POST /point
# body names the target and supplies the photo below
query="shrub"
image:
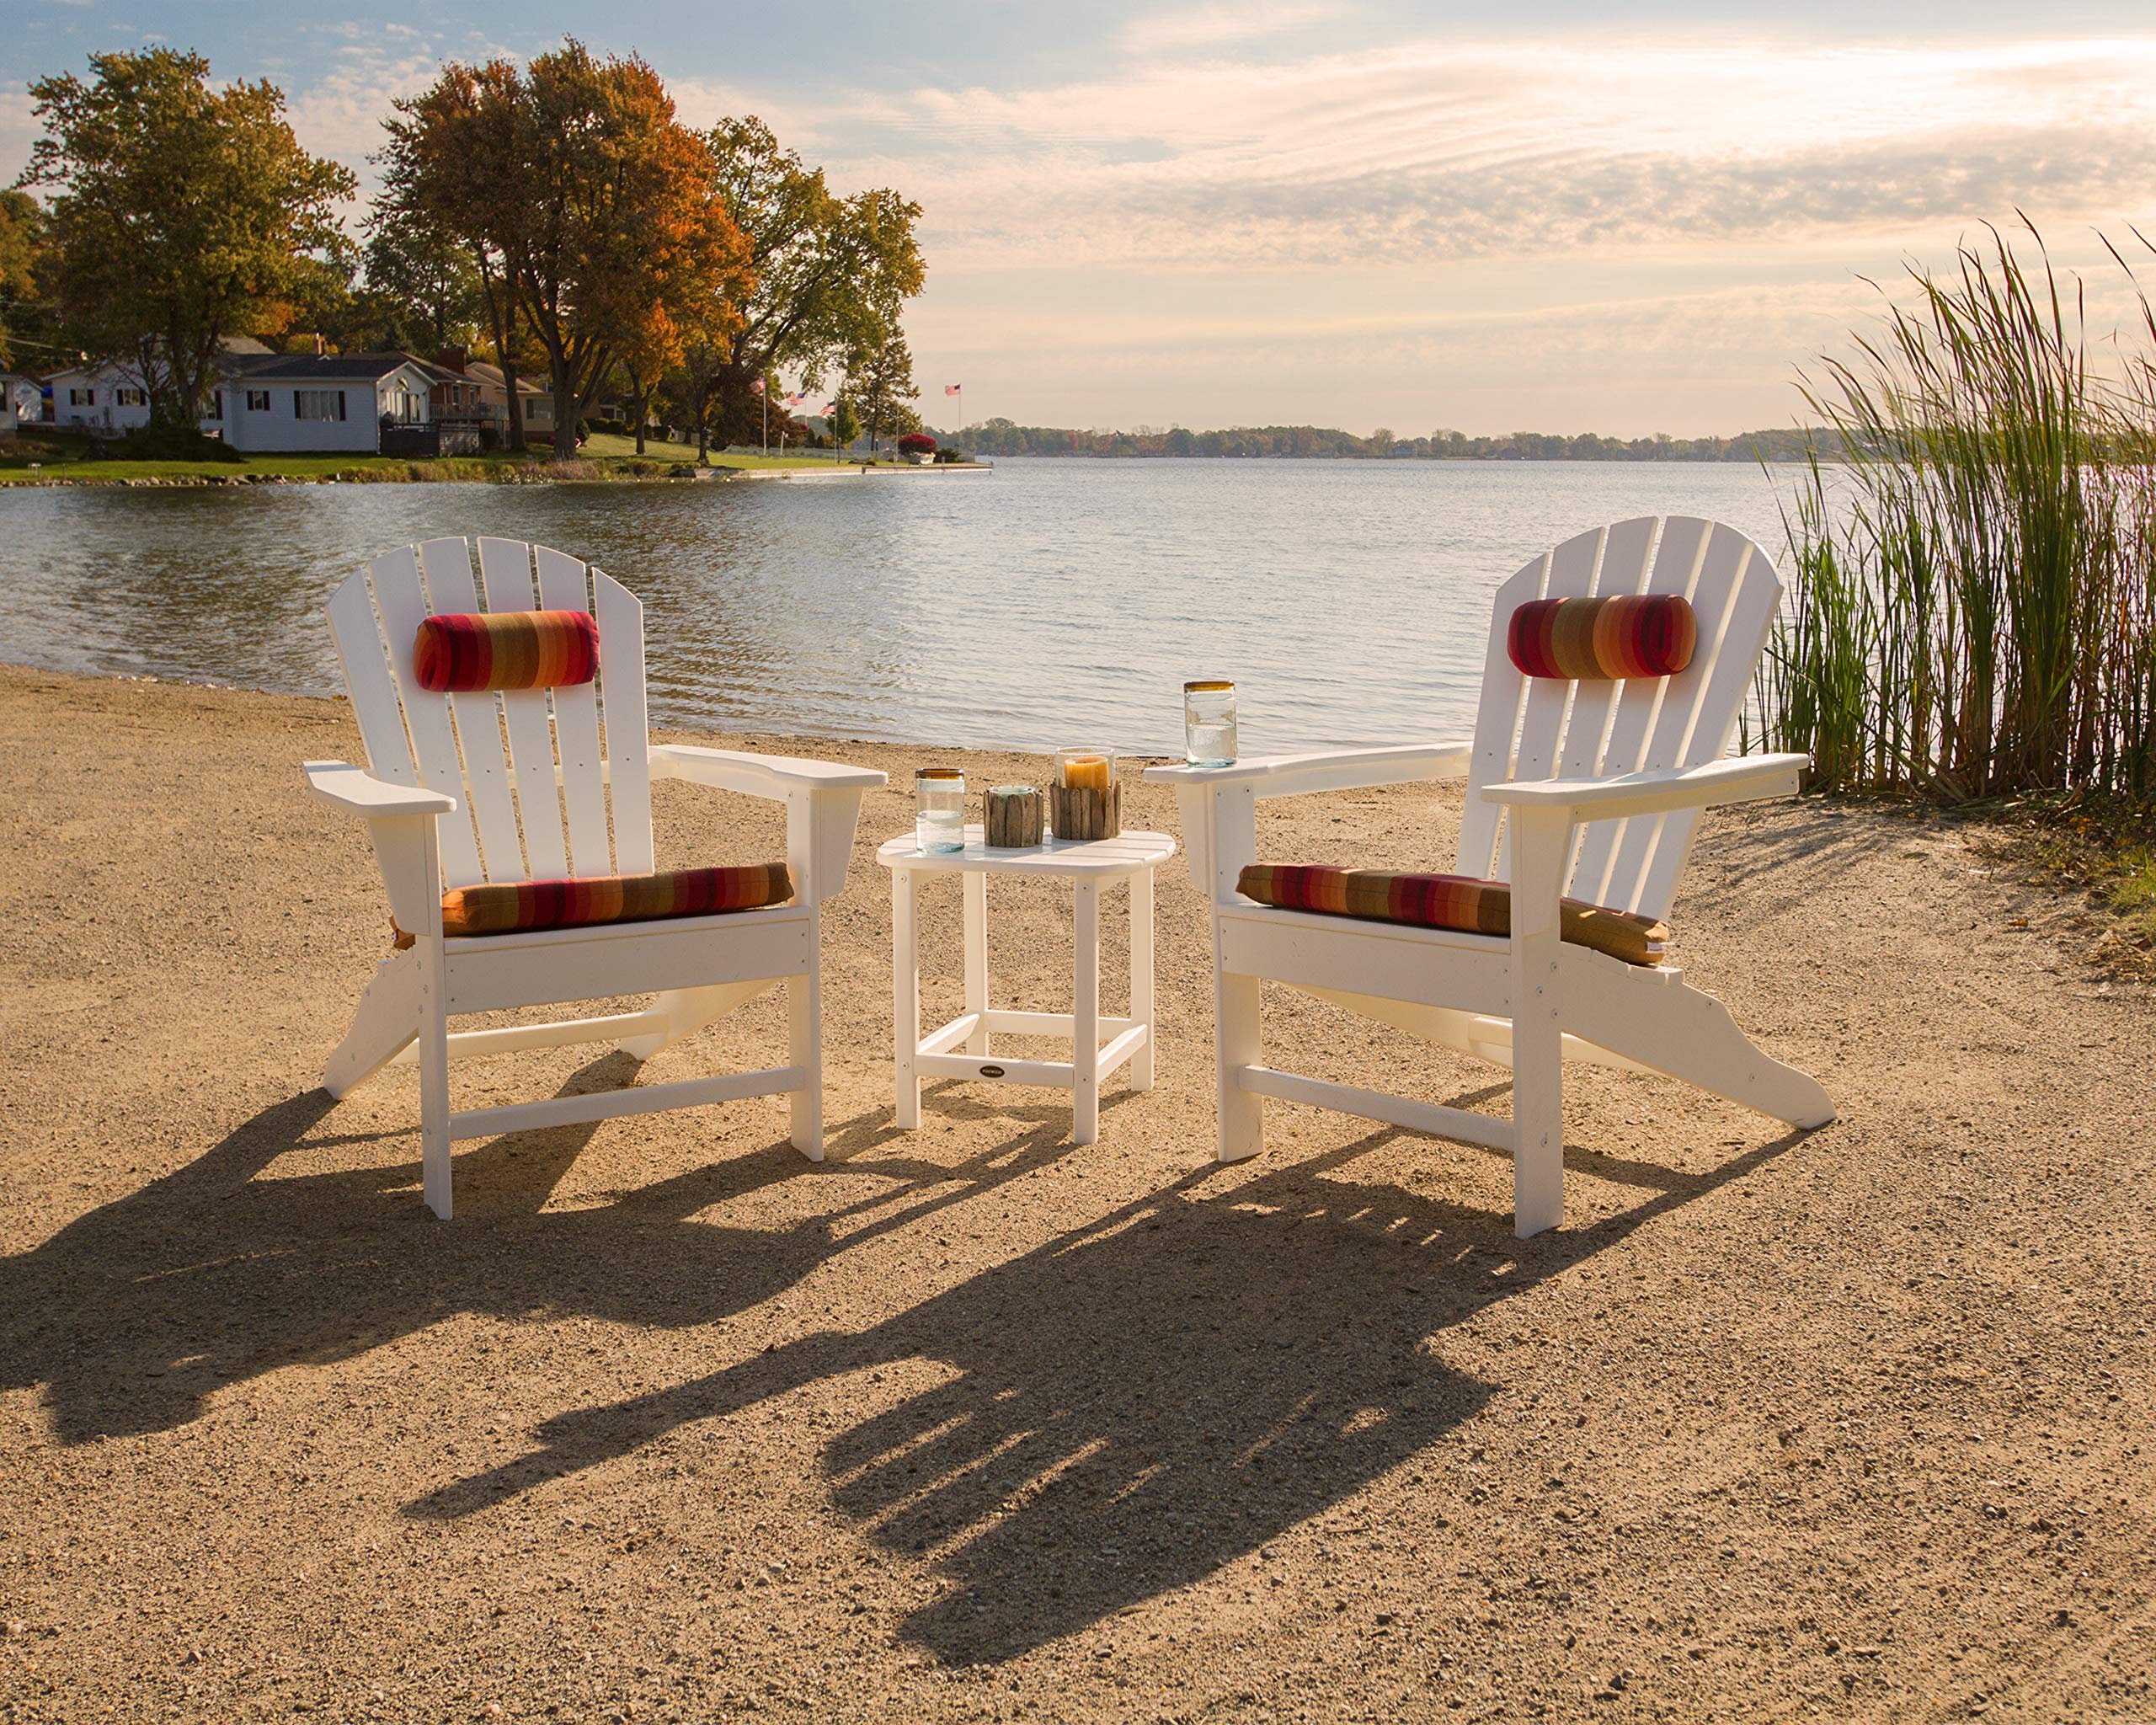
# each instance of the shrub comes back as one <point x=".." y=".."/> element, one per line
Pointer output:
<point x="170" y="443"/>
<point x="916" y="443"/>
<point x="950" y="455"/>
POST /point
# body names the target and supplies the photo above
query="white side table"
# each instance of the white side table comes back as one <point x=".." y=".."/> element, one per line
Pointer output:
<point x="1090" y="865"/>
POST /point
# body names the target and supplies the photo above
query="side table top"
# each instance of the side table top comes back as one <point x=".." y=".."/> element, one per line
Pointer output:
<point x="1123" y="854"/>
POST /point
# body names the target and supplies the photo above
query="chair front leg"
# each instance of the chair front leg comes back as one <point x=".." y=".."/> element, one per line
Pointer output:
<point x="435" y="1175"/>
<point x="1238" y="1033"/>
<point x="1541" y="839"/>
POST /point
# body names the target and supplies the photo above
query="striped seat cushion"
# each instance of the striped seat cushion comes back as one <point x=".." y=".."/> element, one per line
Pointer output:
<point x="462" y="653"/>
<point x="519" y="907"/>
<point x="1625" y="635"/>
<point x="1455" y="901"/>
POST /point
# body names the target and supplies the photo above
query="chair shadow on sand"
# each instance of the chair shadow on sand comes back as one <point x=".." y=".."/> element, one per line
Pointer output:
<point x="1130" y="1404"/>
<point x="1140" y="1400"/>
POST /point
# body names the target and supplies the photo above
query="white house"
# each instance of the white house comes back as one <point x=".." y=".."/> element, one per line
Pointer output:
<point x="266" y="401"/>
<point x="108" y="395"/>
<point x="342" y="402"/>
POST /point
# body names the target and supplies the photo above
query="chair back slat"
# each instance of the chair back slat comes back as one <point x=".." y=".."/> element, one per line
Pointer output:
<point x="402" y="603"/>
<point x="565" y="584"/>
<point x="527" y="719"/>
<point x="369" y="681"/>
<point x="1676" y="567"/>
<point x="628" y="730"/>
<point x="1593" y="729"/>
<point x="1549" y="701"/>
<point x="525" y="765"/>
<point x="1496" y="726"/>
<point x="446" y="564"/>
<point x="1754" y="593"/>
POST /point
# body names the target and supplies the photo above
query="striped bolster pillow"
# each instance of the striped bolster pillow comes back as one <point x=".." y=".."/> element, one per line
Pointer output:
<point x="465" y="652"/>
<point x="1454" y="901"/>
<point x="1625" y="635"/>
<point x="520" y="906"/>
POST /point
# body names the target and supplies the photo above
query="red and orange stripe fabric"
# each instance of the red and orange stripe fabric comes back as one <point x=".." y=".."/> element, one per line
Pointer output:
<point x="517" y="907"/>
<point x="1624" y="635"/>
<point x="1454" y="901"/>
<point x="462" y="653"/>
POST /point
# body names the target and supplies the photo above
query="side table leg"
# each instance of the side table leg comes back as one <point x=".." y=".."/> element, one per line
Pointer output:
<point x="1142" y="974"/>
<point x="977" y="959"/>
<point x="1085" y="1018"/>
<point x="905" y="997"/>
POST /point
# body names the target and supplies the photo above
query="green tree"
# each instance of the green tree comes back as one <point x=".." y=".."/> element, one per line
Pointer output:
<point x="182" y="215"/>
<point x="846" y="423"/>
<point x="423" y="284"/>
<point x="22" y="249"/>
<point x="830" y="272"/>
<point x="880" y="379"/>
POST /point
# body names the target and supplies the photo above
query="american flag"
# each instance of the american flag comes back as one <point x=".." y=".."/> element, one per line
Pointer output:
<point x="757" y="387"/>
<point x="952" y="388"/>
<point x="795" y="401"/>
<point x="827" y="410"/>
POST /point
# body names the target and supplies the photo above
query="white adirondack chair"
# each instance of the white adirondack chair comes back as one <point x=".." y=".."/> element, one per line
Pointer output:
<point x="463" y="788"/>
<point x="1590" y="789"/>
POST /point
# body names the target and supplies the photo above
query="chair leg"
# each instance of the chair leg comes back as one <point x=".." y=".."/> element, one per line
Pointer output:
<point x="434" y="1078"/>
<point x="384" y="1022"/>
<point x="1540" y="842"/>
<point x="1241" y="1040"/>
<point x="906" y="998"/>
<point x="804" y="1046"/>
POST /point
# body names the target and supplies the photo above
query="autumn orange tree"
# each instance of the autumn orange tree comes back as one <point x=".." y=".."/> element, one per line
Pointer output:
<point x="601" y="209"/>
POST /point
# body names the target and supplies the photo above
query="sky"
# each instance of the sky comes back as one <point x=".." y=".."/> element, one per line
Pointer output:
<point x="1556" y="216"/>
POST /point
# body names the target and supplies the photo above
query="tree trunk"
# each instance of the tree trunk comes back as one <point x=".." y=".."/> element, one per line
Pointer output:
<point x="641" y="398"/>
<point x="501" y="316"/>
<point x="565" y="414"/>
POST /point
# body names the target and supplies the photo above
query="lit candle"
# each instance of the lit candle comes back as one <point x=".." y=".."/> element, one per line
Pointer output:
<point x="1086" y="772"/>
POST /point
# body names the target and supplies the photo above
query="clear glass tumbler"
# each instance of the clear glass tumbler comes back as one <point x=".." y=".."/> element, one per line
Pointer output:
<point x="1209" y="722"/>
<point x="939" y="809"/>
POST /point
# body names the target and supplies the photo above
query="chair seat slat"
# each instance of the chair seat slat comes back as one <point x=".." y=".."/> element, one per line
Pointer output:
<point x="402" y="603"/>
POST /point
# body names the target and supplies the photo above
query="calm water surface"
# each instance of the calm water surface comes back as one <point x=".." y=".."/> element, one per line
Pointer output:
<point x="1048" y="602"/>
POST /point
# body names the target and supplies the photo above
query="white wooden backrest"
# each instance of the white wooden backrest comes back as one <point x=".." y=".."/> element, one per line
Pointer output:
<point x="1537" y="727"/>
<point x="528" y="769"/>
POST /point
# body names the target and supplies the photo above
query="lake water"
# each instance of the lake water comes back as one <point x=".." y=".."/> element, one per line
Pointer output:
<point x="1048" y="602"/>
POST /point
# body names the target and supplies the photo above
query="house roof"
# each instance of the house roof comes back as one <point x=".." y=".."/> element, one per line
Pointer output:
<point x="336" y="368"/>
<point x="493" y="374"/>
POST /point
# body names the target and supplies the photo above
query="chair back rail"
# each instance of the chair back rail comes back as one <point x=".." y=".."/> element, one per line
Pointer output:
<point x="1546" y="728"/>
<point x="549" y="782"/>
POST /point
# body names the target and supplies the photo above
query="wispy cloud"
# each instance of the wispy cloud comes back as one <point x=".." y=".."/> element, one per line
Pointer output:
<point x="1215" y="27"/>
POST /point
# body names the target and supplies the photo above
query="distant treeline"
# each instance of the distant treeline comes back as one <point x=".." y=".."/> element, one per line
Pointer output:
<point x="1001" y="437"/>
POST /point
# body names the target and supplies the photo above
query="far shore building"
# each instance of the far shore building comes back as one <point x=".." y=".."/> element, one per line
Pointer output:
<point x="21" y="401"/>
<point x="475" y="393"/>
<point x="280" y="404"/>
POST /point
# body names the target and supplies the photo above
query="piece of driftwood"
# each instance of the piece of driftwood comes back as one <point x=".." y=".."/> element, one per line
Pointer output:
<point x="1013" y="815"/>
<point x="1084" y="814"/>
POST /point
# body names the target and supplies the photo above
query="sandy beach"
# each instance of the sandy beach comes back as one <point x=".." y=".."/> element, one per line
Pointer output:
<point x="970" y="1423"/>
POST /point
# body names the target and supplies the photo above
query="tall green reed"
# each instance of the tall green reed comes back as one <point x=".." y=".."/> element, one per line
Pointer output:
<point x="1973" y="604"/>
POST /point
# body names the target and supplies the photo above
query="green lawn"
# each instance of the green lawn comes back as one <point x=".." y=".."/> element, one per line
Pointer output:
<point x="614" y="445"/>
<point x="612" y="455"/>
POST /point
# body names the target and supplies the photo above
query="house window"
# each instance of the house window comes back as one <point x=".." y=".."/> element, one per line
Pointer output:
<point x="257" y="401"/>
<point x="319" y="403"/>
<point x="130" y="397"/>
<point x="216" y="404"/>
<point x="81" y="397"/>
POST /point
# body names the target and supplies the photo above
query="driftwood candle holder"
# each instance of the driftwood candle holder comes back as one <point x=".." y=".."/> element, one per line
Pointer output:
<point x="1075" y="812"/>
<point x="1012" y="817"/>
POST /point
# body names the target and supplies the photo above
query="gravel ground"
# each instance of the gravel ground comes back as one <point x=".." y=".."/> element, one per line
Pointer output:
<point x="970" y="1423"/>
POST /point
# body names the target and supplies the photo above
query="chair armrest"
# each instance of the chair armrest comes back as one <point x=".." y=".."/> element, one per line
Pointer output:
<point x="773" y="777"/>
<point x="362" y="793"/>
<point x="1744" y="778"/>
<point x="1324" y="769"/>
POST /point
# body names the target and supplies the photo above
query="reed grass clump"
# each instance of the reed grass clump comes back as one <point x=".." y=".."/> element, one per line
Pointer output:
<point x="1972" y="611"/>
